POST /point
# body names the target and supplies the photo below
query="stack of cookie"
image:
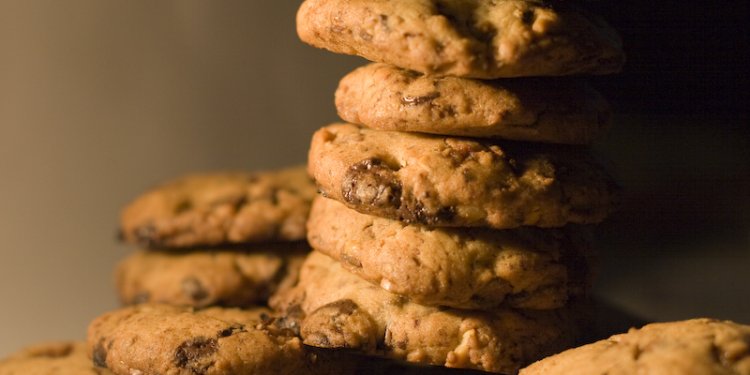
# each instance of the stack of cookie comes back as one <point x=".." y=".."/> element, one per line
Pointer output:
<point x="452" y="224"/>
<point x="221" y="239"/>
<point x="216" y="247"/>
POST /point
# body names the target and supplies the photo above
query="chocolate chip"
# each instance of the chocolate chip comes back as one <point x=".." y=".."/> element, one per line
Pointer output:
<point x="146" y="235"/>
<point x="370" y="182"/>
<point x="193" y="288"/>
<point x="182" y="206"/>
<point x="402" y="344"/>
<point x="196" y="355"/>
<point x="527" y="17"/>
<point x="265" y="318"/>
<point x="231" y="330"/>
<point x="415" y="212"/>
<point x="100" y="355"/>
<point x="344" y="306"/>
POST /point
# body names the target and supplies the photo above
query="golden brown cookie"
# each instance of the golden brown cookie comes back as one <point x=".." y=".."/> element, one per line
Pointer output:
<point x="554" y="110"/>
<point x="465" y="268"/>
<point x="221" y="208"/>
<point x="448" y="181"/>
<point x="339" y="310"/>
<point x="163" y="339"/>
<point x="690" y="347"/>
<point x="209" y="277"/>
<point x="476" y="38"/>
<point x="53" y="358"/>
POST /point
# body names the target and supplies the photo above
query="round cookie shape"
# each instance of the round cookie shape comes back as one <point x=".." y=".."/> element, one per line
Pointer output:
<point x="163" y="339"/>
<point x="464" y="268"/>
<point x="203" y="278"/>
<point x="553" y="110"/>
<point x="338" y="309"/>
<point x="221" y="208"/>
<point x="468" y="38"/>
<point x="449" y="181"/>
<point x="53" y="358"/>
<point x="690" y="347"/>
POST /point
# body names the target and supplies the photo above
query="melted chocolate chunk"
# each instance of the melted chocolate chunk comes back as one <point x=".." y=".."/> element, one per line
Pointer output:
<point x="100" y="355"/>
<point x="371" y="182"/>
<point x="232" y="330"/>
<point x="196" y="355"/>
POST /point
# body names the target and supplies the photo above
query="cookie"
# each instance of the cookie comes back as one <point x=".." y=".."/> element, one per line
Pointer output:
<point x="448" y="181"/>
<point x="698" y="346"/>
<point x="163" y="339"/>
<point x="472" y="268"/>
<point x="479" y="39"/>
<point x="339" y="310"/>
<point x="209" y="277"/>
<point x="54" y="358"/>
<point x="554" y="110"/>
<point x="221" y="208"/>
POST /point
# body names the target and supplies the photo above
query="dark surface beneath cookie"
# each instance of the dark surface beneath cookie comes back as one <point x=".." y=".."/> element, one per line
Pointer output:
<point x="375" y="365"/>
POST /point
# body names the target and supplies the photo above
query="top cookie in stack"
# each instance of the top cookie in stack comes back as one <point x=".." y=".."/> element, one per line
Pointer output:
<point x="451" y="230"/>
<point x="465" y="38"/>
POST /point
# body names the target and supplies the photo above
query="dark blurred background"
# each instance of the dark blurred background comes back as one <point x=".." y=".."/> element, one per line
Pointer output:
<point x="101" y="99"/>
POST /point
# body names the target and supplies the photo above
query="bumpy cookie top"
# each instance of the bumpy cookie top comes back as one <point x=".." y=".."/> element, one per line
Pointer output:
<point x="469" y="38"/>
<point x="54" y="358"/>
<point x="208" y="277"/>
<point x="221" y="208"/>
<point x="448" y="181"/>
<point x="699" y="347"/>
<point x="162" y="339"/>
<point x="555" y="110"/>
<point x="465" y="268"/>
<point x="340" y="310"/>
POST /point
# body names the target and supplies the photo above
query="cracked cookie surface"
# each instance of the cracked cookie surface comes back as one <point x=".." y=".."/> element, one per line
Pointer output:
<point x="209" y="277"/>
<point x="221" y="208"/>
<point x="554" y="110"/>
<point x="465" y="268"/>
<point x="449" y="181"/>
<point x="162" y="339"/>
<point x="698" y="346"/>
<point x="467" y="38"/>
<point x="337" y="309"/>
<point x="53" y="358"/>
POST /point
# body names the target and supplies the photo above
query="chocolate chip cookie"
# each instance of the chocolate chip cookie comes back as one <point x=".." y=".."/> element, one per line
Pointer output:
<point x="54" y="358"/>
<point x="448" y="181"/>
<point x="464" y="268"/>
<point x="163" y="339"/>
<point x="698" y="346"/>
<point x="555" y="110"/>
<point x="339" y="310"/>
<point x="221" y="208"/>
<point x="209" y="277"/>
<point x="480" y="39"/>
